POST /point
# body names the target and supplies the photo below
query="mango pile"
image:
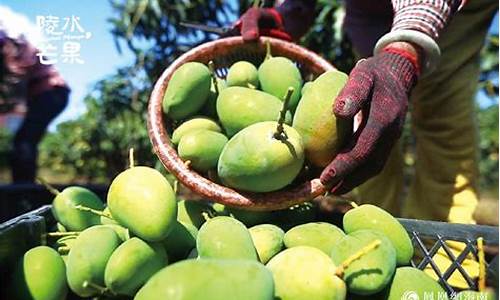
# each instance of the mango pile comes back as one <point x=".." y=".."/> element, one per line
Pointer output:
<point x="258" y="128"/>
<point x="147" y="244"/>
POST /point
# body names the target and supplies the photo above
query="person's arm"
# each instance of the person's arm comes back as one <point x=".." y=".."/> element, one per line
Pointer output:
<point x="293" y="17"/>
<point x="380" y="87"/>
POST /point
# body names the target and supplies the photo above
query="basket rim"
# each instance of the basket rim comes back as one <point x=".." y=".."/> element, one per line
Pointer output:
<point x="168" y="156"/>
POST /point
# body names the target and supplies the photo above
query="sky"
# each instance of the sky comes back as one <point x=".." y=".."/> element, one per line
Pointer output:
<point x="99" y="54"/>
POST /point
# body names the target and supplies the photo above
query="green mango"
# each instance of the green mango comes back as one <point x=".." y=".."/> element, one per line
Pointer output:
<point x="320" y="235"/>
<point x="106" y="220"/>
<point x="194" y="212"/>
<point x="370" y="273"/>
<point x="305" y="273"/>
<point x="255" y="161"/>
<point x="187" y="90"/>
<point x="475" y="295"/>
<point x="243" y="73"/>
<point x="322" y="133"/>
<point x="239" y="107"/>
<point x="295" y="215"/>
<point x="40" y="275"/>
<point x="122" y="232"/>
<point x="369" y="216"/>
<point x="250" y="218"/>
<point x="210" y="107"/>
<point x="88" y="257"/>
<point x="412" y="283"/>
<point x="305" y="87"/>
<point x="210" y="279"/>
<point x="180" y="241"/>
<point x="202" y="148"/>
<point x="220" y="209"/>
<point x="225" y="237"/>
<point x="64" y="211"/>
<point x="268" y="240"/>
<point x="143" y="201"/>
<point x="192" y="125"/>
<point x="277" y="74"/>
<point x="132" y="264"/>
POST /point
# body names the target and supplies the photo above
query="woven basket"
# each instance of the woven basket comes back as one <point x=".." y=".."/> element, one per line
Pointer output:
<point x="224" y="53"/>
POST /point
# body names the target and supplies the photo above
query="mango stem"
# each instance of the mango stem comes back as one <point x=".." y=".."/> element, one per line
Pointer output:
<point x="482" y="269"/>
<point x="94" y="211"/>
<point x="60" y="234"/>
<point x="102" y="290"/>
<point x="268" y="50"/>
<point x="211" y="67"/>
<point x="280" y="133"/>
<point x="365" y="250"/>
<point x="49" y="188"/>
<point x="131" y="157"/>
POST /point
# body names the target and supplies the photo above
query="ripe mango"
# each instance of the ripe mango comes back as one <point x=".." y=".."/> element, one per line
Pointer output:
<point x="369" y="216"/>
<point x="305" y="273"/>
<point x="371" y="272"/>
<point x="193" y="212"/>
<point x="141" y="199"/>
<point x="239" y="107"/>
<point x="268" y="240"/>
<point x="243" y="73"/>
<point x="64" y="211"/>
<point x="412" y="283"/>
<point x="180" y="241"/>
<point x="88" y="258"/>
<point x="202" y="148"/>
<point x="320" y="235"/>
<point x="192" y="125"/>
<point x="187" y="90"/>
<point x="322" y="133"/>
<point x="132" y="264"/>
<point x="210" y="279"/>
<point x="255" y="161"/>
<point x="277" y="74"/>
<point x="225" y="237"/>
<point x="40" y="275"/>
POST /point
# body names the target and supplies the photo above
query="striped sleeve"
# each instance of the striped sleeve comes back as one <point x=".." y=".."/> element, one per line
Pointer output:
<point x="427" y="16"/>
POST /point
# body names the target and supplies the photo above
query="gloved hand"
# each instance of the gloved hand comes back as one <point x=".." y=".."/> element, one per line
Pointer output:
<point x="380" y="87"/>
<point x="260" y="21"/>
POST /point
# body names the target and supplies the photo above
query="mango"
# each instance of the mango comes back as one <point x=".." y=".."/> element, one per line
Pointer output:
<point x="370" y="273"/>
<point x="106" y="220"/>
<point x="210" y="107"/>
<point x="305" y="273"/>
<point x="412" y="283"/>
<point x="243" y="73"/>
<point x="40" y="275"/>
<point x="60" y="227"/>
<point x="220" y="209"/>
<point x="210" y="279"/>
<point x="225" y="237"/>
<point x="192" y="125"/>
<point x="64" y="211"/>
<point x="132" y="264"/>
<point x="87" y="259"/>
<point x="194" y="212"/>
<point x="187" y="90"/>
<point x="320" y="235"/>
<point x="180" y="241"/>
<point x="295" y="215"/>
<point x="239" y="107"/>
<point x="369" y="216"/>
<point x="305" y="87"/>
<point x="277" y="74"/>
<point x="475" y="295"/>
<point x="143" y="201"/>
<point x="268" y="240"/>
<point x="255" y="161"/>
<point x="250" y="218"/>
<point x="322" y="133"/>
<point x="122" y="232"/>
<point x="202" y="148"/>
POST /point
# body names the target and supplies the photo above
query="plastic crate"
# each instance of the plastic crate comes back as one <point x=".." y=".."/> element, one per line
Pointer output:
<point x="28" y="230"/>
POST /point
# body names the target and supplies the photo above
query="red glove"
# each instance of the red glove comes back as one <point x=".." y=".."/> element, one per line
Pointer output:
<point x="380" y="86"/>
<point x="261" y="21"/>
